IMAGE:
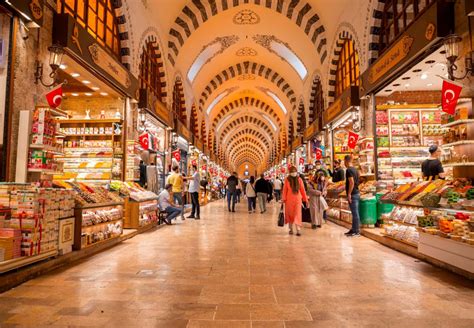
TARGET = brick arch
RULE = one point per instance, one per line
(246, 119)
(203, 131)
(248, 67)
(246, 101)
(245, 138)
(197, 12)
(245, 152)
(344, 35)
(316, 100)
(253, 130)
(243, 147)
(179, 103)
(151, 46)
(301, 119)
(244, 158)
(193, 121)
(291, 132)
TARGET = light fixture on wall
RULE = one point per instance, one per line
(141, 119)
(56, 53)
(174, 140)
(451, 47)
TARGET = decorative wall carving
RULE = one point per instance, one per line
(246, 17)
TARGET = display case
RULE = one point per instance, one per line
(140, 214)
(93, 150)
(132, 169)
(404, 134)
(97, 223)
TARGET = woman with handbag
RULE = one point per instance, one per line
(293, 197)
(317, 189)
(251, 194)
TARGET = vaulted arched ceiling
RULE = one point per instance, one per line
(247, 64)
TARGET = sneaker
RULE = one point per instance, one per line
(354, 234)
(348, 233)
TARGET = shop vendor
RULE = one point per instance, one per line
(432, 168)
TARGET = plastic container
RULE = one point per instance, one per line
(368, 211)
(382, 208)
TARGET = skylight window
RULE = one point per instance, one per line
(202, 59)
(216, 101)
(291, 58)
(277, 100)
(223, 122)
(271, 122)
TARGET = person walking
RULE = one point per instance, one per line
(251, 194)
(239, 191)
(177, 181)
(353, 196)
(262, 189)
(317, 189)
(142, 168)
(277, 185)
(231, 185)
(165, 204)
(194, 184)
(432, 168)
(293, 197)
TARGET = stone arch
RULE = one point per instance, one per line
(247, 67)
(246, 119)
(123, 22)
(316, 100)
(193, 121)
(196, 13)
(291, 132)
(301, 119)
(179, 103)
(344, 35)
(203, 131)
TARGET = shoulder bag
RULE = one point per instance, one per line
(281, 217)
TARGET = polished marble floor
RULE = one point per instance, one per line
(240, 270)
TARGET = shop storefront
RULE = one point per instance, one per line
(183, 139)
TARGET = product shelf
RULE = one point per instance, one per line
(100, 242)
(25, 260)
(458, 143)
(457, 123)
(101, 223)
(458, 164)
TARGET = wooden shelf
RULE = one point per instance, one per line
(101, 242)
(458, 164)
(458, 143)
(25, 260)
(44, 171)
(101, 223)
(88, 206)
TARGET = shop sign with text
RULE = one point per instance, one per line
(296, 143)
(435, 23)
(155, 107)
(184, 132)
(311, 130)
(349, 98)
(199, 145)
(78, 42)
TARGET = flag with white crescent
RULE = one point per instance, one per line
(450, 95)
(177, 155)
(55, 97)
(352, 140)
(144, 140)
(319, 153)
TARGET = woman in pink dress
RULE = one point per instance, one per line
(293, 197)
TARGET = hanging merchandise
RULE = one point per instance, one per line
(450, 95)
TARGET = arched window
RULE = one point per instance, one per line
(150, 77)
(397, 15)
(98, 17)
(316, 103)
(347, 72)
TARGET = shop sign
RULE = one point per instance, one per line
(296, 143)
(435, 23)
(32, 9)
(311, 130)
(349, 98)
(333, 110)
(78, 42)
(184, 132)
(392, 57)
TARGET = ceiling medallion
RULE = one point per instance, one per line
(246, 77)
(246, 51)
(246, 17)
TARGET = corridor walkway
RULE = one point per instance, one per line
(240, 270)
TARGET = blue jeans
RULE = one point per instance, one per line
(173, 212)
(178, 198)
(354, 206)
(252, 201)
(231, 195)
(277, 195)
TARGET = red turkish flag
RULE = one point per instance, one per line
(144, 140)
(193, 162)
(352, 140)
(177, 155)
(55, 97)
(319, 153)
(450, 95)
(301, 161)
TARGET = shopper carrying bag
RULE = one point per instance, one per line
(281, 217)
(294, 195)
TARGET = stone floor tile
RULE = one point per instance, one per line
(232, 312)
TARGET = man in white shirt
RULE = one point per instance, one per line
(277, 184)
(194, 183)
(165, 204)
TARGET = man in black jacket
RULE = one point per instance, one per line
(262, 189)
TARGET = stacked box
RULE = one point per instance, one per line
(43, 127)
